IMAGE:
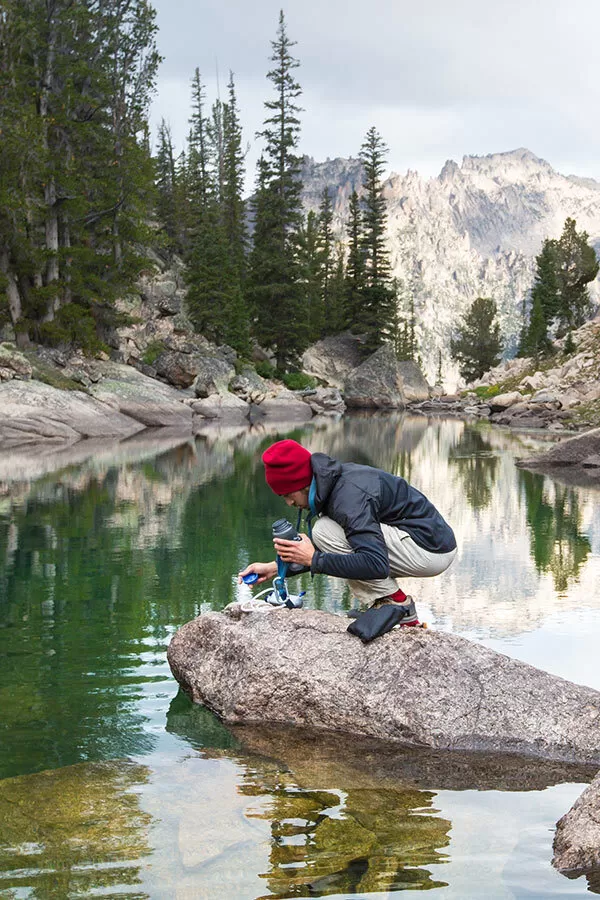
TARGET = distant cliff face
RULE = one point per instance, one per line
(472, 231)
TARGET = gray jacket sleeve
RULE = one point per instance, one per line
(355, 512)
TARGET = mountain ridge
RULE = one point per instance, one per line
(472, 230)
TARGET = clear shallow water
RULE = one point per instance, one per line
(113, 785)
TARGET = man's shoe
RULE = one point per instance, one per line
(410, 617)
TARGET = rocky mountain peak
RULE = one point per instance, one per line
(472, 231)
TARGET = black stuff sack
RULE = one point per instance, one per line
(375, 622)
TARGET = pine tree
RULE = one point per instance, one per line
(377, 309)
(233, 182)
(311, 258)
(214, 298)
(326, 246)
(536, 341)
(577, 267)
(355, 267)
(337, 316)
(274, 268)
(167, 201)
(546, 287)
(74, 94)
(477, 345)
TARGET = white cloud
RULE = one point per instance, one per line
(439, 80)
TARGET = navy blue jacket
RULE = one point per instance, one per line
(361, 499)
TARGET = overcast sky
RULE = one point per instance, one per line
(438, 78)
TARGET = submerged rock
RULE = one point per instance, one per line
(579, 452)
(417, 687)
(577, 839)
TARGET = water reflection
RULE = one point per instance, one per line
(100, 561)
(555, 520)
(78, 831)
(351, 815)
(477, 465)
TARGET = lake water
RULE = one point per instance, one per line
(114, 785)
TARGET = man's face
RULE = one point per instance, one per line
(299, 499)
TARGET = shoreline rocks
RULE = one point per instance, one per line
(302, 667)
(577, 839)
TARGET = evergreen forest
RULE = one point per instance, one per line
(86, 192)
(84, 195)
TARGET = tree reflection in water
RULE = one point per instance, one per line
(477, 464)
(554, 519)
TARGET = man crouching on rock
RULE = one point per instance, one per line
(370, 527)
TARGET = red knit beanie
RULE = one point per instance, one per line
(287, 467)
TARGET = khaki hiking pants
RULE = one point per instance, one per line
(406, 558)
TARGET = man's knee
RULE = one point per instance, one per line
(329, 537)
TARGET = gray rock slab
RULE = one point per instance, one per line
(214, 375)
(285, 407)
(503, 401)
(577, 839)
(573, 452)
(32, 412)
(150, 402)
(225, 407)
(418, 687)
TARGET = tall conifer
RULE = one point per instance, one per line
(355, 268)
(274, 267)
(376, 314)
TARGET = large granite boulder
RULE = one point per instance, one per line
(33, 412)
(376, 383)
(333, 358)
(577, 839)
(249, 386)
(179, 368)
(324, 401)
(421, 688)
(414, 385)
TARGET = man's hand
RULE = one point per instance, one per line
(265, 571)
(296, 551)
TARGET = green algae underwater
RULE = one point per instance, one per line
(112, 783)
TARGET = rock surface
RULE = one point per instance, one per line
(287, 406)
(149, 402)
(214, 375)
(13, 364)
(324, 401)
(33, 412)
(581, 451)
(302, 667)
(414, 386)
(224, 407)
(376, 383)
(333, 358)
(577, 839)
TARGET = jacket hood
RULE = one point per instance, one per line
(326, 471)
